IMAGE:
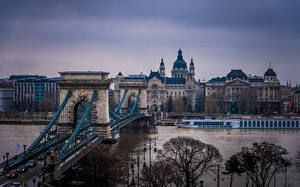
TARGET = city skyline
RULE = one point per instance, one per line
(53, 36)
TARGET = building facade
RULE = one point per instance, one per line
(6, 96)
(160, 88)
(181, 84)
(29, 90)
(296, 101)
(239, 93)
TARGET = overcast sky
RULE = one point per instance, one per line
(131, 36)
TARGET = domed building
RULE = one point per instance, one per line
(252, 94)
(181, 84)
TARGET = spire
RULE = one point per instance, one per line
(162, 68)
(162, 62)
(192, 62)
(179, 56)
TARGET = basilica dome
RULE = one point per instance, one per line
(179, 63)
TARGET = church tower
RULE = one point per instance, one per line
(162, 68)
(192, 68)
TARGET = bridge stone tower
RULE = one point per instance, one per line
(82, 84)
(133, 87)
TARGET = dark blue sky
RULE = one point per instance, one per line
(45, 37)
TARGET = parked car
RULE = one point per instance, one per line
(58, 146)
(22, 168)
(42, 157)
(12, 174)
(16, 184)
(50, 150)
(30, 163)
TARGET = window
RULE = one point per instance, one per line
(271, 124)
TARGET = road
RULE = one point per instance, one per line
(27, 176)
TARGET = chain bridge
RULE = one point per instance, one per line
(84, 118)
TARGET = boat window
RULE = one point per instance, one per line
(262, 123)
(279, 123)
(258, 123)
(254, 122)
(297, 124)
(271, 123)
(187, 123)
(241, 123)
(267, 123)
(293, 124)
(283, 124)
(288, 123)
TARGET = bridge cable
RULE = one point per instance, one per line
(78, 127)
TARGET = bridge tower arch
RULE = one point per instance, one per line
(131, 89)
(82, 85)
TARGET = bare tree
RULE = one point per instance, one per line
(179, 105)
(191, 158)
(211, 105)
(106, 167)
(233, 166)
(297, 161)
(47, 105)
(262, 161)
(170, 104)
(163, 174)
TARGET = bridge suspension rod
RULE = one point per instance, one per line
(135, 103)
(112, 114)
(78, 127)
(123, 98)
(43, 134)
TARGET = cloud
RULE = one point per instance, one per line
(51, 36)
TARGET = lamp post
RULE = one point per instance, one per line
(24, 146)
(132, 183)
(7, 155)
(138, 167)
(218, 176)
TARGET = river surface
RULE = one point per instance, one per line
(228, 141)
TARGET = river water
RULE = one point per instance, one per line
(228, 141)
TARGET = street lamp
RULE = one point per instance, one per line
(132, 175)
(7, 154)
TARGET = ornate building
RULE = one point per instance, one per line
(296, 101)
(181, 84)
(251, 94)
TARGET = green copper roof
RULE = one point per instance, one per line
(179, 63)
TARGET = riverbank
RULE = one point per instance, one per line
(17, 121)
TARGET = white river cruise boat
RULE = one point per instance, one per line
(240, 123)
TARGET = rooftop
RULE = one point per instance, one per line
(236, 73)
(84, 72)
